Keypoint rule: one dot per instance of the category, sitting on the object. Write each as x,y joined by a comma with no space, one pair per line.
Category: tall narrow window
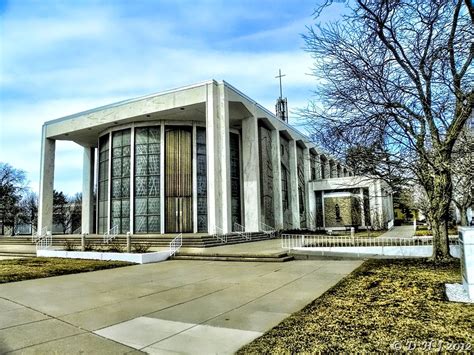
147,180
121,180
103,182
201,179
285,178
266,175
301,186
324,173
319,209
313,167
235,178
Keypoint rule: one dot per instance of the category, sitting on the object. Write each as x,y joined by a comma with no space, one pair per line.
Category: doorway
178,180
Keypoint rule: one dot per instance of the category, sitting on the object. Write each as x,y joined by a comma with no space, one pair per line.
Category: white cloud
65,59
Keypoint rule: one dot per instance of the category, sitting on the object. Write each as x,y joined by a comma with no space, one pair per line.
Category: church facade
201,159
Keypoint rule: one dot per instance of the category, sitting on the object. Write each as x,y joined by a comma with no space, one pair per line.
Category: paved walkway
263,247
197,307
398,232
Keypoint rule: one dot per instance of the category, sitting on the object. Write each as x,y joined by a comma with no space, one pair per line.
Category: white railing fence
219,234
290,241
110,234
268,230
40,234
45,241
240,230
175,244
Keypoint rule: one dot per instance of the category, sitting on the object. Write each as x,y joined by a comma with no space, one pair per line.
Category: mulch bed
383,306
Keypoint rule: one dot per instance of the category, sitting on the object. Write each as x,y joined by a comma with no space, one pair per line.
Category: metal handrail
45,241
110,234
219,234
39,235
175,244
268,230
240,230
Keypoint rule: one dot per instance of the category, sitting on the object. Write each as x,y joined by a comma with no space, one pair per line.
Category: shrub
69,245
88,246
115,246
141,247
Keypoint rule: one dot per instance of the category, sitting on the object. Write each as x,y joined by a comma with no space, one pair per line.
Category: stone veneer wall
349,208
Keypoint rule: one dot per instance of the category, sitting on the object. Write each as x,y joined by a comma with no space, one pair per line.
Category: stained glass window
266,175
121,181
147,180
201,179
301,186
314,173
235,178
285,177
103,182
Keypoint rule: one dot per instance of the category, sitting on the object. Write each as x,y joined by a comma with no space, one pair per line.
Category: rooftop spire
281,106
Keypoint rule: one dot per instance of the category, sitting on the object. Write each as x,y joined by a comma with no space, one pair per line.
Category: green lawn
35,268
385,305
426,232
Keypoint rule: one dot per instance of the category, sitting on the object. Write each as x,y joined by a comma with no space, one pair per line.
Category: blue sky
61,57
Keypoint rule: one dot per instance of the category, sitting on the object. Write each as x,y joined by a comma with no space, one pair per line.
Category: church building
201,159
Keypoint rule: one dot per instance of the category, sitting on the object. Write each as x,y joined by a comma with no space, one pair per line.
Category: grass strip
383,306
35,268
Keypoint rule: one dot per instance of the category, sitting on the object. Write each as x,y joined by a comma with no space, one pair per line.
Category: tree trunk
440,240
463,213
439,214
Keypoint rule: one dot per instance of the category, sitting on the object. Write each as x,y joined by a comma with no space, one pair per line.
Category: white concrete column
293,186
195,222
362,213
380,195
109,182
131,227
218,158
374,207
45,206
162,178
251,174
277,195
323,209
310,201
87,216
224,160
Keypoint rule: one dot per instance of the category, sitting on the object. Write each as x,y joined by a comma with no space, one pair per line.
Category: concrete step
189,241
240,258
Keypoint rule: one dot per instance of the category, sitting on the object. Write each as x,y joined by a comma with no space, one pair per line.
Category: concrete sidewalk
398,232
197,307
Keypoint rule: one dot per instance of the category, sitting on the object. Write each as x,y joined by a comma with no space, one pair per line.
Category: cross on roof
280,76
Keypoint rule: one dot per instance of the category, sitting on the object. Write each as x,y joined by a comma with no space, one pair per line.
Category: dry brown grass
381,303
35,268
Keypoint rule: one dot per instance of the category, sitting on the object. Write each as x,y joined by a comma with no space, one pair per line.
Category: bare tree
395,77
12,186
29,209
463,174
